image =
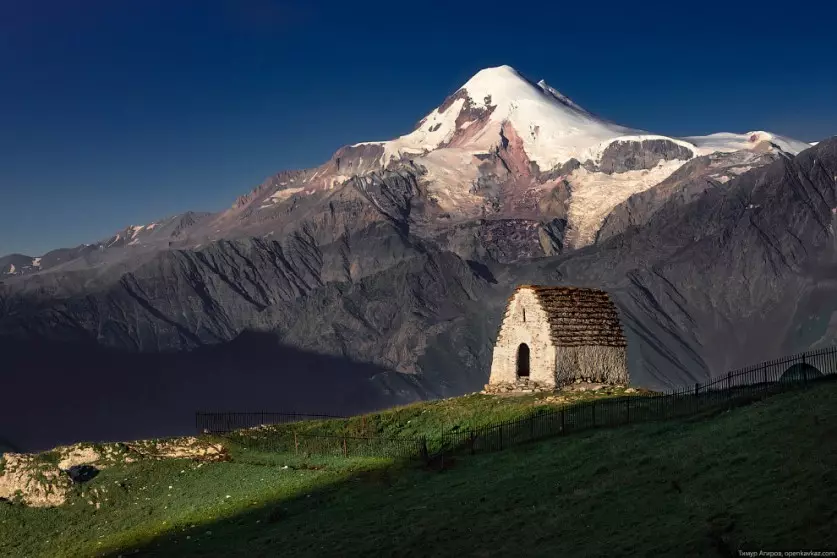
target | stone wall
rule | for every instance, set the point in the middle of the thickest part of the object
(534, 330)
(522, 385)
(607, 365)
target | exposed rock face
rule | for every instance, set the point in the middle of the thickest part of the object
(685, 185)
(37, 483)
(470, 119)
(391, 193)
(181, 299)
(392, 319)
(357, 159)
(45, 480)
(621, 156)
(730, 278)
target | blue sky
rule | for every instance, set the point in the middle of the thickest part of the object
(119, 113)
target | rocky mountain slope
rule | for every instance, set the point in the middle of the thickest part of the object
(500, 154)
(386, 269)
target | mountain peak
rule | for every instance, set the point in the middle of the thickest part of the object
(552, 128)
(498, 73)
(503, 84)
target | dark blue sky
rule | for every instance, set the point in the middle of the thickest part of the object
(119, 113)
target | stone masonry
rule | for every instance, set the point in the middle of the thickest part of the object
(526, 322)
(572, 334)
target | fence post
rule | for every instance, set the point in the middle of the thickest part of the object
(628, 405)
(425, 455)
(729, 390)
(593, 406)
(697, 389)
(804, 372)
(473, 441)
(563, 430)
(296, 444)
(765, 372)
(501, 436)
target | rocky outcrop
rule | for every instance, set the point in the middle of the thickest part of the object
(46, 479)
(503, 240)
(622, 155)
(684, 186)
(392, 193)
(32, 480)
(357, 159)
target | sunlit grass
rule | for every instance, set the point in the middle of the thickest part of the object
(756, 477)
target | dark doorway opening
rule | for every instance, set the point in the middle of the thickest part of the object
(523, 361)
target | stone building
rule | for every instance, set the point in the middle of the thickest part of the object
(552, 336)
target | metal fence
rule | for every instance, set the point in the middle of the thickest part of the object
(219, 423)
(735, 388)
(267, 440)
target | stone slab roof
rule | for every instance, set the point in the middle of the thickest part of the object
(579, 316)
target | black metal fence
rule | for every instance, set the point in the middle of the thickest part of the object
(219, 423)
(735, 388)
(267, 440)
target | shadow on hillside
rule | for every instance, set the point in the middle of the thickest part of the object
(266, 530)
(535, 502)
(529, 502)
(64, 393)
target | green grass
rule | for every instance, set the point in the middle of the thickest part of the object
(756, 477)
(430, 418)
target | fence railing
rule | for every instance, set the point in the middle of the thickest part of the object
(266, 440)
(219, 423)
(737, 387)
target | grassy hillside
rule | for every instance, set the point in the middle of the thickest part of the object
(757, 477)
(430, 418)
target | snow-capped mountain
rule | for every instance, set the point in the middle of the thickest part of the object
(501, 152)
(502, 147)
(551, 127)
(396, 254)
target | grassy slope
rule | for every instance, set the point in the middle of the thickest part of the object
(430, 418)
(758, 477)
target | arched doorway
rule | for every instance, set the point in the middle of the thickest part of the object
(523, 361)
(800, 372)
